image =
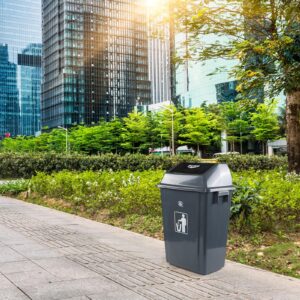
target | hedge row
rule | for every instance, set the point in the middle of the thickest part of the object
(254, 162)
(26, 165)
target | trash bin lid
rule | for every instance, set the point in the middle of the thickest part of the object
(202, 177)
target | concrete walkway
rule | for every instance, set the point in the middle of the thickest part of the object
(46, 254)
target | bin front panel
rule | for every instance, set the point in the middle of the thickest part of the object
(181, 227)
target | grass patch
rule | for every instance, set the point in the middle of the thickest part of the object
(267, 251)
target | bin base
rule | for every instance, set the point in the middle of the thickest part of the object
(212, 261)
(202, 269)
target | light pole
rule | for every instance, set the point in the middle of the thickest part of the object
(173, 134)
(66, 130)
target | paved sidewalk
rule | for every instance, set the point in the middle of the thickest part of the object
(46, 254)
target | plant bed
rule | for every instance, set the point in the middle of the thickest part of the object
(264, 228)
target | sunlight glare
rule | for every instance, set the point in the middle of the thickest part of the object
(152, 3)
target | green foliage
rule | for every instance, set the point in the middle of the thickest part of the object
(263, 200)
(103, 138)
(135, 133)
(27, 165)
(263, 36)
(122, 192)
(265, 122)
(200, 129)
(255, 162)
(163, 122)
(14, 187)
(270, 198)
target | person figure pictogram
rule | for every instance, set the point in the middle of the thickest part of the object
(183, 222)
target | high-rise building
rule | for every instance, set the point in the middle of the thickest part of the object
(20, 34)
(226, 91)
(9, 96)
(159, 50)
(30, 121)
(95, 60)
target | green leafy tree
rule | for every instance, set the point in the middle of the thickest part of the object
(164, 125)
(135, 133)
(102, 138)
(236, 121)
(263, 36)
(265, 123)
(199, 129)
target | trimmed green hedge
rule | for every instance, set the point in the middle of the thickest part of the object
(256, 162)
(28, 165)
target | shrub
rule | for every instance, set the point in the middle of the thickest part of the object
(263, 200)
(123, 192)
(28, 165)
(256, 162)
(271, 199)
(14, 187)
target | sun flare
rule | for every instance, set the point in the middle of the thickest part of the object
(152, 3)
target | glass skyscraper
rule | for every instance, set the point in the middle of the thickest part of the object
(95, 60)
(20, 66)
(159, 50)
(9, 96)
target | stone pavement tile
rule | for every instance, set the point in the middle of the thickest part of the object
(10, 237)
(5, 283)
(36, 277)
(78, 298)
(32, 246)
(8, 255)
(18, 266)
(12, 294)
(275, 295)
(65, 269)
(74, 288)
(117, 295)
(251, 280)
(37, 254)
(42, 254)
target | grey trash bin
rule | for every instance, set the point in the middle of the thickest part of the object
(196, 208)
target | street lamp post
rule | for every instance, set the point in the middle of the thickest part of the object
(67, 144)
(173, 134)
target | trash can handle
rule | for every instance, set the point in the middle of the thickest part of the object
(223, 193)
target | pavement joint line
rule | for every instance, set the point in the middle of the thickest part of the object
(16, 286)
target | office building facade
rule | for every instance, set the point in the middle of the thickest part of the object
(159, 51)
(226, 91)
(95, 60)
(9, 95)
(20, 61)
(30, 106)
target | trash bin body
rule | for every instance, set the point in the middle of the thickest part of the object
(196, 209)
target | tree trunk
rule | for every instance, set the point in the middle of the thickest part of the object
(199, 152)
(293, 130)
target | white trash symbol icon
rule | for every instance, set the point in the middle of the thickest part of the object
(181, 222)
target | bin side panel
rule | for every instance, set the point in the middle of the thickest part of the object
(218, 212)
